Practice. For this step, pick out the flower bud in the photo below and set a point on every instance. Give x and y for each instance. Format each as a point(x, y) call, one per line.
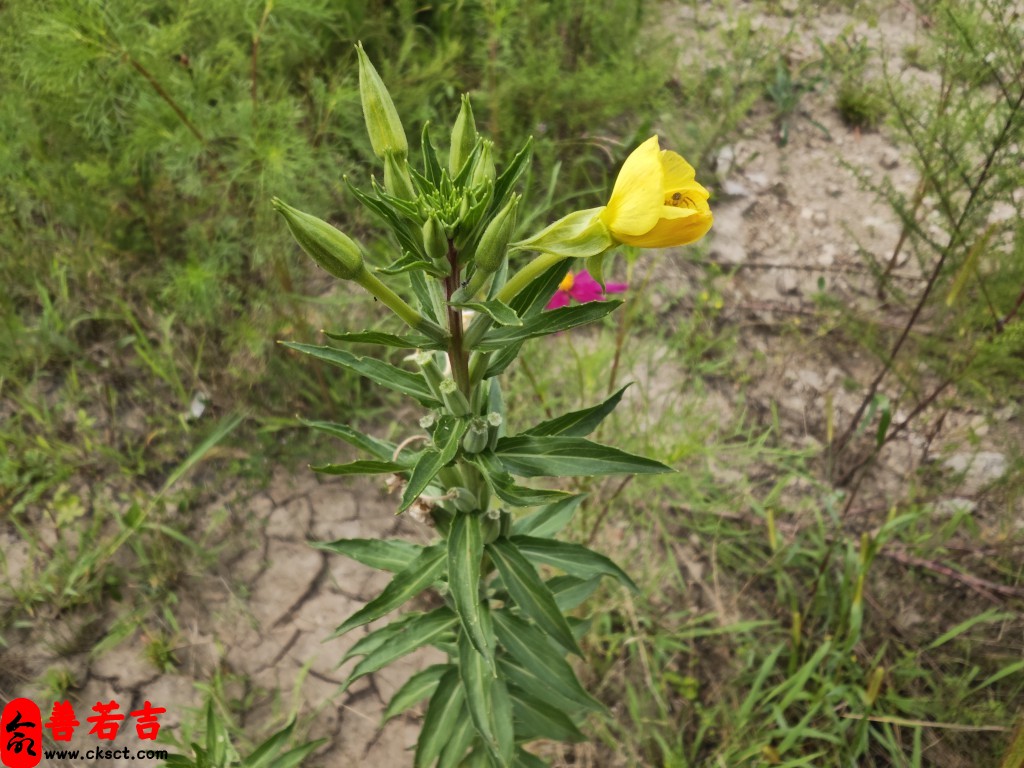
point(490, 252)
point(434, 239)
point(396, 177)
point(382, 121)
point(453, 397)
point(484, 170)
point(328, 247)
point(475, 439)
point(463, 138)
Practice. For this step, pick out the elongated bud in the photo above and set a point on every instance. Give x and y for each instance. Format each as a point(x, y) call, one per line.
point(434, 239)
point(484, 170)
point(493, 246)
point(396, 177)
point(463, 137)
point(382, 121)
point(453, 398)
point(328, 247)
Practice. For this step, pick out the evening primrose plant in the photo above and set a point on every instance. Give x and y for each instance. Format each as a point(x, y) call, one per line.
point(509, 585)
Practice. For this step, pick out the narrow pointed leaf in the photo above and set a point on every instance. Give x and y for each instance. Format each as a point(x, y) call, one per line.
point(570, 591)
point(431, 166)
point(536, 719)
point(534, 656)
point(374, 640)
point(447, 436)
point(391, 555)
point(386, 339)
point(504, 727)
point(461, 739)
point(465, 550)
point(378, 371)
point(498, 311)
point(530, 593)
point(382, 449)
point(416, 689)
point(397, 223)
point(526, 759)
point(502, 359)
point(574, 559)
point(549, 519)
point(532, 300)
point(477, 678)
point(530, 456)
point(447, 708)
point(511, 174)
point(360, 468)
point(507, 489)
point(546, 323)
point(417, 576)
point(578, 423)
point(423, 630)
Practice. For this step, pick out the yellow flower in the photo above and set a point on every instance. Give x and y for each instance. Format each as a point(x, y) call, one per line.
point(656, 201)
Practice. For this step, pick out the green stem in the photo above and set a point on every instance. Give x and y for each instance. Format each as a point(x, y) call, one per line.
point(397, 304)
point(527, 275)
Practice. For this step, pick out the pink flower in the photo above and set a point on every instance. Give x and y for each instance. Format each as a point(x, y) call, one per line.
point(583, 288)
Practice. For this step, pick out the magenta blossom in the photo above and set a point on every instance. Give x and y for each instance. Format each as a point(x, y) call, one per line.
point(583, 288)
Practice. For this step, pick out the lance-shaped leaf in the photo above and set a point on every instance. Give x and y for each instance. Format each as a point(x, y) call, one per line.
point(504, 727)
point(465, 550)
point(511, 174)
point(570, 591)
point(530, 593)
point(546, 323)
point(371, 642)
point(378, 371)
point(505, 487)
point(502, 359)
point(425, 629)
point(574, 559)
point(498, 311)
point(477, 679)
point(410, 241)
point(414, 690)
point(535, 664)
point(364, 467)
point(412, 262)
point(391, 555)
point(447, 436)
point(536, 719)
point(530, 456)
point(382, 449)
point(461, 739)
point(549, 519)
point(578, 423)
point(533, 299)
point(526, 759)
point(447, 708)
point(407, 583)
point(386, 339)
point(431, 166)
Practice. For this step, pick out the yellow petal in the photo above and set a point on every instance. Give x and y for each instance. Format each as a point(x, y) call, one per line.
point(638, 194)
point(678, 172)
point(678, 226)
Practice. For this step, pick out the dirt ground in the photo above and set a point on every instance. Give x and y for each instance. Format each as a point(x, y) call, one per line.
point(789, 222)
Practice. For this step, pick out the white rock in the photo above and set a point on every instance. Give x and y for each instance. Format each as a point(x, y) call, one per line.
point(890, 159)
point(978, 469)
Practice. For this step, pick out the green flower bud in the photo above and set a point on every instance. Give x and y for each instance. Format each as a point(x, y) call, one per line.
point(382, 121)
point(465, 501)
point(475, 439)
point(493, 246)
point(484, 170)
point(396, 177)
point(328, 247)
point(463, 138)
point(434, 239)
point(453, 397)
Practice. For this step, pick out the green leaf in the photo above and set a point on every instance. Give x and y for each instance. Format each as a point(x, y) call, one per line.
point(505, 486)
point(407, 583)
point(416, 688)
point(374, 640)
point(421, 631)
point(360, 468)
point(465, 550)
point(578, 423)
point(502, 360)
point(409, 240)
point(378, 371)
point(461, 739)
point(391, 555)
point(504, 727)
point(511, 175)
point(530, 593)
point(570, 591)
point(546, 323)
point(477, 678)
point(526, 759)
point(533, 299)
point(447, 437)
point(549, 519)
point(536, 719)
point(536, 665)
point(265, 753)
point(498, 311)
point(386, 339)
point(413, 262)
point(382, 449)
point(574, 559)
point(447, 708)
point(530, 456)
point(431, 167)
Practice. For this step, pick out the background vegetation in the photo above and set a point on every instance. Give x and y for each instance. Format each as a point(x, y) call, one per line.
point(146, 281)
